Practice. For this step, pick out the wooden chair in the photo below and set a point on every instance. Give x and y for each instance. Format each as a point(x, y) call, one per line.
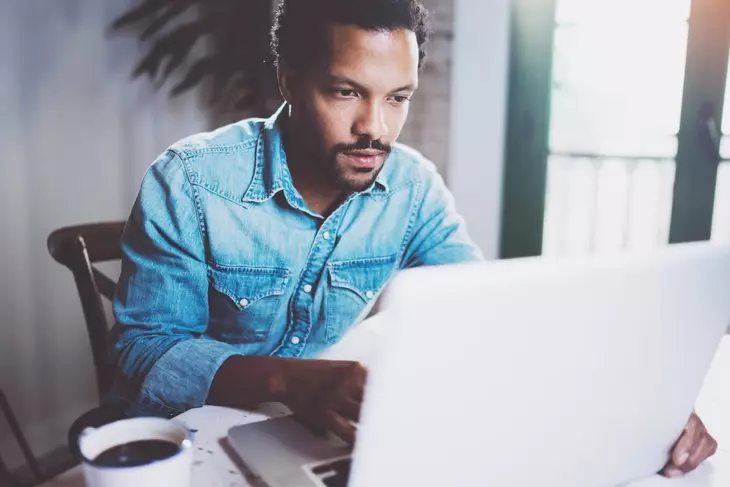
point(5, 475)
point(79, 248)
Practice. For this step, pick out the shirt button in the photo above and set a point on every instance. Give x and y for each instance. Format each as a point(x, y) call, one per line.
point(307, 288)
point(243, 302)
point(295, 340)
point(326, 235)
point(370, 294)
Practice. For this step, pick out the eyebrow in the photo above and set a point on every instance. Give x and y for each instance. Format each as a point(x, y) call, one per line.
point(354, 84)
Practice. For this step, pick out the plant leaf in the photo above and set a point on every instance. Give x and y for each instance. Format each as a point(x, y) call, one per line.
point(236, 34)
point(176, 60)
point(176, 44)
point(146, 9)
point(199, 70)
point(164, 18)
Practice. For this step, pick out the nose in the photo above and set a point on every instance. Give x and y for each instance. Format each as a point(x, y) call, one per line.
point(370, 122)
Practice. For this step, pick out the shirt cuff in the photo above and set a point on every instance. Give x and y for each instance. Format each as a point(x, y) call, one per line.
point(181, 378)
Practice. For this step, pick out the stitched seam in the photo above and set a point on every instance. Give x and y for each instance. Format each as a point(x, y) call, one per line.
point(276, 271)
point(227, 197)
point(258, 160)
point(392, 189)
point(159, 405)
point(340, 284)
point(418, 203)
point(405, 185)
point(252, 299)
point(437, 237)
point(195, 153)
point(353, 289)
point(195, 196)
point(370, 260)
point(290, 306)
point(280, 279)
point(165, 347)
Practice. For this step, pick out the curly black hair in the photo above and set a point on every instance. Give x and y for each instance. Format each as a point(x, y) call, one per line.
point(295, 35)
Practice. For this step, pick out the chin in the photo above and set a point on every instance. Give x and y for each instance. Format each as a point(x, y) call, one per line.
point(357, 182)
point(357, 186)
point(352, 180)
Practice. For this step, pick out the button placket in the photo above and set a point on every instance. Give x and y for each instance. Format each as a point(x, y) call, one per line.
point(301, 326)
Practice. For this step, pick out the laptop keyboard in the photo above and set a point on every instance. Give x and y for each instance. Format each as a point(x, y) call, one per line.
point(334, 473)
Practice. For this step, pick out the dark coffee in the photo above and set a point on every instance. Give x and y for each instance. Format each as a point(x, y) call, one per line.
point(136, 453)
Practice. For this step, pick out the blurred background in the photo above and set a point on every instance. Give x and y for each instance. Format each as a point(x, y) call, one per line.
point(563, 127)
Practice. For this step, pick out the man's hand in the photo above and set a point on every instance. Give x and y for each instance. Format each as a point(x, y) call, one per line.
point(693, 447)
point(323, 394)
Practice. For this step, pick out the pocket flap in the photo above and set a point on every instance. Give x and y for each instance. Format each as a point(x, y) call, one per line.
point(246, 285)
point(364, 277)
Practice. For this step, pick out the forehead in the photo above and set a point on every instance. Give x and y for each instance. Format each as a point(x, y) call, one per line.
point(375, 59)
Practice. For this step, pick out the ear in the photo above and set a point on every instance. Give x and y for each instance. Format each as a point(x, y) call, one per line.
point(286, 78)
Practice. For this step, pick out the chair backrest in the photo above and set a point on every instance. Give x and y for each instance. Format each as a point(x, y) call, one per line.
point(79, 248)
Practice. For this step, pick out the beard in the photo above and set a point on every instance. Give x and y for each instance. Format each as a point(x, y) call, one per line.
point(355, 179)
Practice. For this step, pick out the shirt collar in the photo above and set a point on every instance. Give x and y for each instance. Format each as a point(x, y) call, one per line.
point(271, 172)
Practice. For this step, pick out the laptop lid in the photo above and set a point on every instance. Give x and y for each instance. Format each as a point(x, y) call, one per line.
point(536, 372)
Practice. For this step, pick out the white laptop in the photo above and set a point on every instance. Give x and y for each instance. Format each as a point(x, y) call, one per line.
point(521, 373)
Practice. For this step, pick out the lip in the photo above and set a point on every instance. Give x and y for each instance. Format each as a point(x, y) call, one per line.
point(365, 159)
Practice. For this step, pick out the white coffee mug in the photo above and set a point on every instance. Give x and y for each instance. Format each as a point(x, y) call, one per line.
point(173, 471)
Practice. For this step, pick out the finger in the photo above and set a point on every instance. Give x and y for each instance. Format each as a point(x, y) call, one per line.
point(356, 383)
point(682, 449)
point(671, 472)
point(702, 451)
point(355, 393)
point(686, 443)
point(340, 426)
point(349, 409)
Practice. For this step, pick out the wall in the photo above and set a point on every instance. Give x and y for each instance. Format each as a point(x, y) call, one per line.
point(75, 138)
point(478, 116)
point(428, 127)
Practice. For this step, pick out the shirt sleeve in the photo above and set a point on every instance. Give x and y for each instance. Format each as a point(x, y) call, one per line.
point(161, 305)
point(439, 233)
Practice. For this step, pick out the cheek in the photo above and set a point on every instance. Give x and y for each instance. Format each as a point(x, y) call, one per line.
point(334, 119)
point(397, 117)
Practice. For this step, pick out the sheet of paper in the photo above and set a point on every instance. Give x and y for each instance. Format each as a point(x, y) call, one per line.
point(361, 342)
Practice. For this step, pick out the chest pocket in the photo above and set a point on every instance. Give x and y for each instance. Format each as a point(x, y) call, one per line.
point(352, 286)
point(244, 301)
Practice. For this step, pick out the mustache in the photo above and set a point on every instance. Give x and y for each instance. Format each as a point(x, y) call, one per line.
point(364, 144)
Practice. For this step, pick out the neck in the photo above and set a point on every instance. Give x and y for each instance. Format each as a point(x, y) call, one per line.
point(320, 194)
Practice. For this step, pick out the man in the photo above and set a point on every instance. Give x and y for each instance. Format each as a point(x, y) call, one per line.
point(259, 244)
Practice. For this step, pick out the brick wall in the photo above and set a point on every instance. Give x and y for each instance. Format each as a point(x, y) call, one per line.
point(428, 125)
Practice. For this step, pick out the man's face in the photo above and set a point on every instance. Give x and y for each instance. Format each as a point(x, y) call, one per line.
point(352, 106)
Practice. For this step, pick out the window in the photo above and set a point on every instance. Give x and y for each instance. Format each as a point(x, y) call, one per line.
point(623, 160)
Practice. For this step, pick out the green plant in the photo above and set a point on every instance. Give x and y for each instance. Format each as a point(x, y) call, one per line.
point(221, 45)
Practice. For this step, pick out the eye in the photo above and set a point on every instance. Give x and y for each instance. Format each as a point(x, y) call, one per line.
point(345, 92)
point(401, 99)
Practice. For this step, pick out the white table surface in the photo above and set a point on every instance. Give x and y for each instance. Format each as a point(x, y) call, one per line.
point(214, 466)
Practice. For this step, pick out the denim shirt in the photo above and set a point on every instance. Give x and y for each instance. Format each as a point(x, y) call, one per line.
point(222, 257)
